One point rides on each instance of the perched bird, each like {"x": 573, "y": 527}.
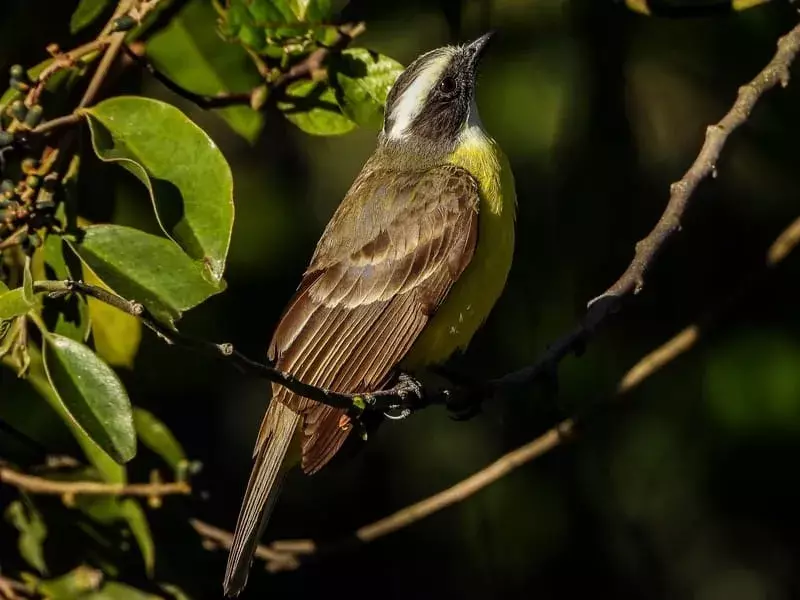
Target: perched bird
{"x": 406, "y": 271}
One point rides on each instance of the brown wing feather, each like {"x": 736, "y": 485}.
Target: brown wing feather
{"x": 377, "y": 276}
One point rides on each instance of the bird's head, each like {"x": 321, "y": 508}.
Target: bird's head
{"x": 432, "y": 103}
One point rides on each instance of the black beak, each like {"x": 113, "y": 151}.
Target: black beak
{"x": 477, "y": 48}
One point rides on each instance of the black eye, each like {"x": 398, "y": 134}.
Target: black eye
{"x": 447, "y": 86}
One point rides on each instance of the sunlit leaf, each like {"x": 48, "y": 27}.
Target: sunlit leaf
{"x": 187, "y": 176}
{"x": 278, "y": 27}
{"x": 113, "y": 590}
{"x": 24, "y": 517}
{"x": 152, "y": 270}
{"x": 133, "y": 513}
{"x": 14, "y": 303}
{"x": 86, "y": 13}
{"x": 78, "y": 583}
{"x": 309, "y": 10}
{"x": 116, "y": 334}
{"x": 73, "y": 312}
{"x": 191, "y": 54}
{"x": 155, "y": 435}
{"x": 313, "y": 108}
{"x": 363, "y": 80}
{"x": 174, "y": 591}
{"x": 92, "y": 394}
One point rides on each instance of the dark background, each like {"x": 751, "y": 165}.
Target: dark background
{"x": 688, "y": 489}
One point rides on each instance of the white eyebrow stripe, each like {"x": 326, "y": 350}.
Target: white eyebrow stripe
{"x": 414, "y": 96}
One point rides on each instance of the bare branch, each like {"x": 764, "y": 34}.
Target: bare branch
{"x": 776, "y": 72}
{"x": 41, "y": 485}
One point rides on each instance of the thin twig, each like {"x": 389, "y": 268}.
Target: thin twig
{"x": 309, "y": 68}
{"x": 9, "y": 589}
{"x": 400, "y": 396}
{"x": 40, "y": 485}
{"x": 776, "y": 72}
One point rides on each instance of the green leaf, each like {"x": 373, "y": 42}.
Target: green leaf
{"x": 73, "y": 311}
{"x": 116, "y": 334}
{"x": 151, "y": 270}
{"x": 114, "y": 590}
{"x": 133, "y": 513}
{"x": 278, "y": 28}
{"x": 78, "y": 583}
{"x": 86, "y": 13}
{"x": 110, "y": 471}
{"x": 363, "y": 80}
{"x": 157, "y": 436}
{"x": 32, "y": 532}
{"x": 188, "y": 178}
{"x": 14, "y": 303}
{"x": 190, "y": 53}
{"x": 313, "y": 108}
{"x": 92, "y": 394}
{"x": 174, "y": 591}
{"x": 310, "y": 10}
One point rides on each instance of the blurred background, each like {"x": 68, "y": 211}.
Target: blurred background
{"x": 687, "y": 490}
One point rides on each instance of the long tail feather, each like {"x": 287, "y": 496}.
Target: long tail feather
{"x": 259, "y": 498}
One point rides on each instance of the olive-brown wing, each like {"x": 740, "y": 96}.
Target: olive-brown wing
{"x": 385, "y": 263}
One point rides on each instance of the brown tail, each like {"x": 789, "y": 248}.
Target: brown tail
{"x": 259, "y": 498}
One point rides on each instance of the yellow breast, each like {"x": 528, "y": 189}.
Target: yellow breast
{"x": 474, "y": 294}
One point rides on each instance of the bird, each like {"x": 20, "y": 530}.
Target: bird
{"x": 406, "y": 271}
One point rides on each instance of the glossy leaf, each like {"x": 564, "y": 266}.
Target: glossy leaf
{"x": 72, "y": 310}
{"x": 154, "y": 434}
{"x": 110, "y": 471}
{"x": 32, "y": 532}
{"x": 313, "y": 108}
{"x": 152, "y": 270}
{"x": 363, "y": 80}
{"x": 86, "y": 13}
{"x": 191, "y": 54}
{"x": 133, "y": 513}
{"x": 116, "y": 334}
{"x": 188, "y": 178}
{"x": 92, "y": 394}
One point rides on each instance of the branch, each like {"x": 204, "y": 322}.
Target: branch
{"x": 403, "y": 395}
{"x": 290, "y": 554}
{"x": 308, "y": 68}
{"x": 40, "y": 485}
{"x": 632, "y": 280}
{"x": 776, "y": 71}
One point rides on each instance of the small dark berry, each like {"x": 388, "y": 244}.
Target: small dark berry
{"x": 124, "y": 23}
